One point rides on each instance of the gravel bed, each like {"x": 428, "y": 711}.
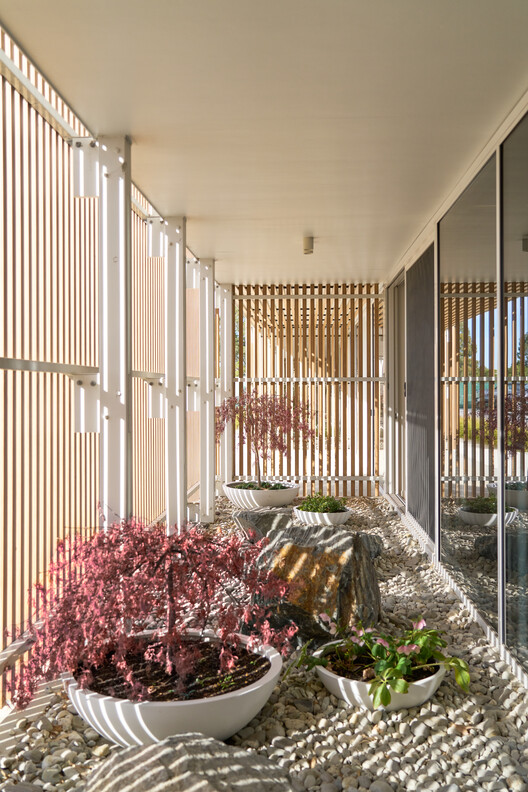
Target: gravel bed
{"x": 456, "y": 741}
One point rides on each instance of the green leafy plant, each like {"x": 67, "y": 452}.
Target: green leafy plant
{"x": 518, "y": 486}
{"x": 482, "y": 505}
{"x": 387, "y": 662}
{"x": 323, "y": 503}
{"x": 252, "y": 485}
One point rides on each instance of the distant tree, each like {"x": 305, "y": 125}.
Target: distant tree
{"x": 522, "y": 354}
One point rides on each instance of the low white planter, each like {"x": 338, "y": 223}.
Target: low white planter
{"x": 321, "y": 518}
{"x": 249, "y": 499}
{"x": 355, "y": 692}
{"x": 486, "y": 520}
{"x": 130, "y": 723}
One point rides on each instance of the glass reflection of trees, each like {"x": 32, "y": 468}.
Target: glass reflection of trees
{"x": 515, "y": 232}
{"x": 468, "y": 371}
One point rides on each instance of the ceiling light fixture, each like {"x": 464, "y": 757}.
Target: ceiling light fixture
{"x": 308, "y": 244}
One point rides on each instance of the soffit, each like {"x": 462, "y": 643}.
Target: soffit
{"x": 347, "y": 120}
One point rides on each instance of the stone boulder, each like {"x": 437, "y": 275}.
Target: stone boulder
{"x": 331, "y": 571}
{"x": 516, "y": 550}
{"x": 187, "y": 762}
{"x": 264, "y": 522}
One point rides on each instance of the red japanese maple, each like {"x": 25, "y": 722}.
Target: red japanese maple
{"x": 267, "y": 422}
{"x": 105, "y": 591}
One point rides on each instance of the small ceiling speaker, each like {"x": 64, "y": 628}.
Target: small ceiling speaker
{"x": 308, "y": 244}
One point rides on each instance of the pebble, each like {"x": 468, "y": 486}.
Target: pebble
{"x": 453, "y": 743}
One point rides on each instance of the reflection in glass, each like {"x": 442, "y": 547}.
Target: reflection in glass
{"x": 515, "y": 183}
{"x": 468, "y": 371}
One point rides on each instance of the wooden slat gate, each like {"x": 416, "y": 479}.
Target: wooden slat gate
{"x": 320, "y": 345}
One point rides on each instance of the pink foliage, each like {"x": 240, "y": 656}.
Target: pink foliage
{"x": 265, "y": 421}
{"x": 103, "y": 592}
{"x": 515, "y": 422}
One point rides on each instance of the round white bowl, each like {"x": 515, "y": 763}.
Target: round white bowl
{"x": 130, "y": 723}
{"x": 486, "y": 520}
{"x": 321, "y": 518}
{"x": 249, "y": 500}
{"x": 355, "y": 692}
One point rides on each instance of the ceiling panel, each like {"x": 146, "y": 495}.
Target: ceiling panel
{"x": 346, "y": 120}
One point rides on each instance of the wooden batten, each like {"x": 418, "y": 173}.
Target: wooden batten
{"x": 319, "y": 345}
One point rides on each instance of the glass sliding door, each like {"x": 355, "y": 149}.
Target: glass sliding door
{"x": 515, "y": 258}
{"x": 468, "y": 376}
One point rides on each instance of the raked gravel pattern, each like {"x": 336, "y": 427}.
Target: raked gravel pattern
{"x": 456, "y": 741}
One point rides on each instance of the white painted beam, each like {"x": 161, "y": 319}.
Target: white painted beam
{"x": 224, "y": 298}
{"x": 175, "y": 373}
{"x": 115, "y": 453}
{"x": 207, "y": 391}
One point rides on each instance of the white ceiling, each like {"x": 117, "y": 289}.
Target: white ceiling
{"x": 263, "y": 122}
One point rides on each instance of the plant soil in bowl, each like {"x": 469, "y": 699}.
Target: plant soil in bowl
{"x": 215, "y": 705}
{"x": 249, "y": 499}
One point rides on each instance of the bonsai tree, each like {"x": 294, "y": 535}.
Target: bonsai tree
{"x": 265, "y": 421}
{"x": 104, "y": 592}
{"x": 515, "y": 422}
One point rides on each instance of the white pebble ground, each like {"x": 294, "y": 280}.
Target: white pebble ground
{"x": 456, "y": 741}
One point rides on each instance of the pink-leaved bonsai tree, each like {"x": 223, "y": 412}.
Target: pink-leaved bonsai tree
{"x": 266, "y": 421}
{"x": 103, "y": 593}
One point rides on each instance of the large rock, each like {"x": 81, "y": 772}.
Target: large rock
{"x": 331, "y": 571}
{"x": 264, "y": 522}
{"x": 516, "y": 550}
{"x": 187, "y": 762}
{"x": 261, "y": 521}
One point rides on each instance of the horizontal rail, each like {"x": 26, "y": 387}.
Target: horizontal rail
{"x": 468, "y": 478}
{"x": 270, "y": 297}
{"x": 10, "y": 71}
{"x": 16, "y": 649}
{"x": 148, "y": 375}
{"x": 16, "y": 364}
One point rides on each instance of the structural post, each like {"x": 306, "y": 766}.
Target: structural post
{"x": 175, "y": 373}
{"x": 207, "y": 391}
{"x": 115, "y": 342}
{"x": 224, "y": 295}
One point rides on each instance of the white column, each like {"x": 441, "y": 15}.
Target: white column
{"x": 224, "y": 296}
{"x": 115, "y": 453}
{"x": 175, "y": 373}
{"x": 207, "y": 391}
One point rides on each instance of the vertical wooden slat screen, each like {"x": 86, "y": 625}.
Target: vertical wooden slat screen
{"x": 49, "y": 319}
{"x": 468, "y": 378}
{"x": 148, "y": 357}
{"x": 48, "y": 272}
{"x": 319, "y": 344}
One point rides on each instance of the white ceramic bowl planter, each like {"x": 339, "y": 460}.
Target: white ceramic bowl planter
{"x": 486, "y": 520}
{"x": 130, "y": 723}
{"x": 321, "y": 518}
{"x": 355, "y": 692}
{"x": 250, "y": 499}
